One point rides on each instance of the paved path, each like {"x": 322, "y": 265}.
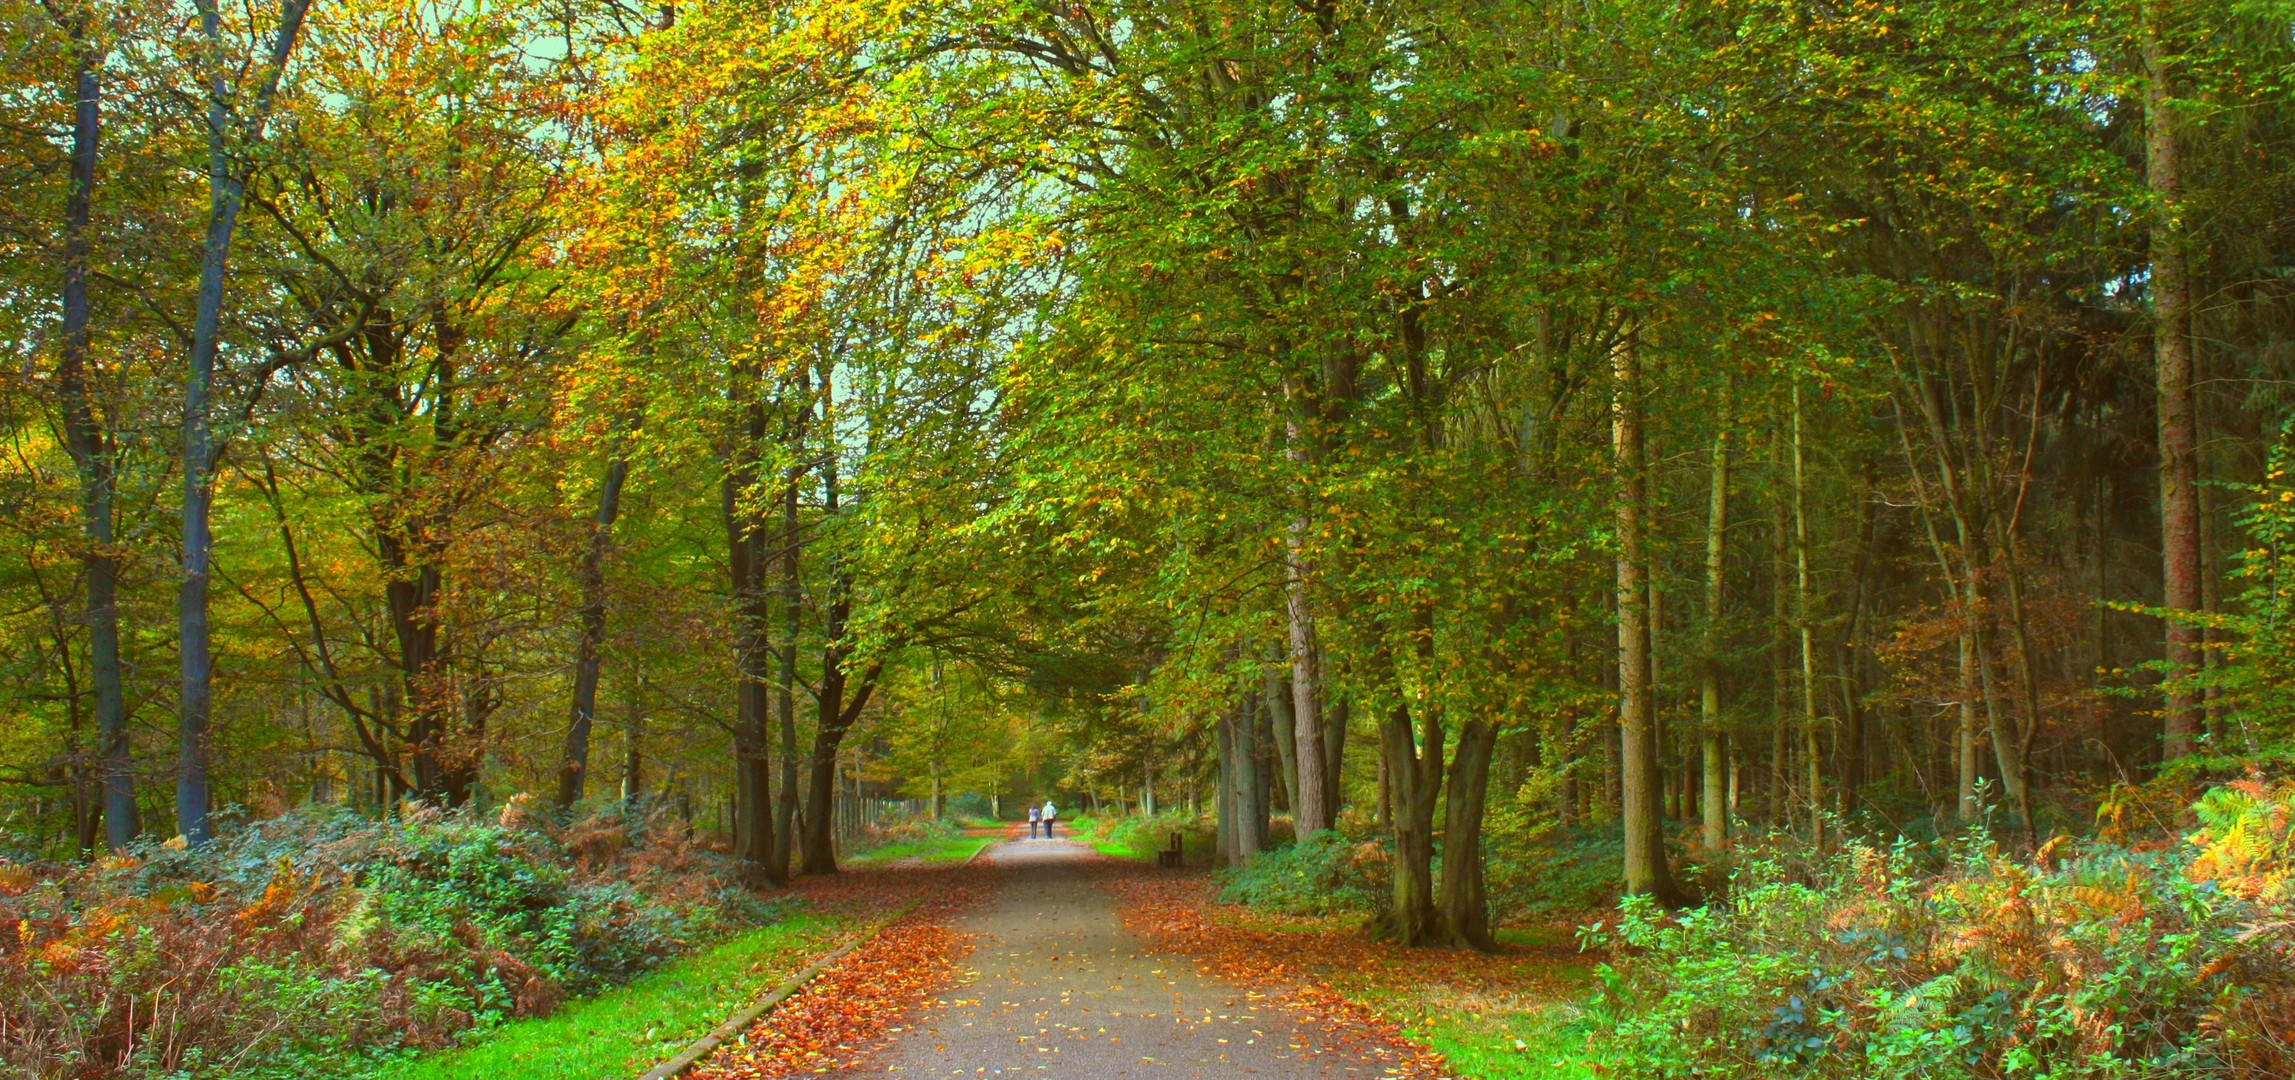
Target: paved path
{"x": 1055, "y": 988}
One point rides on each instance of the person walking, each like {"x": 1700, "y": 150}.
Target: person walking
{"x": 1051, "y": 814}
{"x": 1035, "y": 814}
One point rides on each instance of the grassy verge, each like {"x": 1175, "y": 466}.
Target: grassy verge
{"x": 626, "y": 1031}
{"x": 1140, "y": 838}
{"x": 1507, "y": 1045}
{"x": 943, "y": 849}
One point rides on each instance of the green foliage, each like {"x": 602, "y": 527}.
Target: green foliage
{"x": 1134, "y": 837}
{"x": 1560, "y": 872}
{"x": 2114, "y": 963}
{"x": 317, "y": 943}
{"x": 1324, "y": 874}
{"x": 507, "y": 896}
{"x": 626, "y": 1030}
{"x": 2259, "y": 632}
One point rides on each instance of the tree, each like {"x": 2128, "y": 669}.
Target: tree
{"x": 228, "y": 169}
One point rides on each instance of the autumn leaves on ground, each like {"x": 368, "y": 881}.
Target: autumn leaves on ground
{"x": 1350, "y": 999}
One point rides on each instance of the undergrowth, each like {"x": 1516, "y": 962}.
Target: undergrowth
{"x": 307, "y": 944}
{"x": 1324, "y": 874}
{"x": 2090, "y": 960}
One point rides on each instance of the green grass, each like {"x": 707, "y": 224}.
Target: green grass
{"x": 628, "y": 1030}
{"x": 1508, "y": 1045}
{"x": 946, "y": 849}
{"x": 1124, "y": 838}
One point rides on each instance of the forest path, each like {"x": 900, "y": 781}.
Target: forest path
{"x": 1056, "y": 988}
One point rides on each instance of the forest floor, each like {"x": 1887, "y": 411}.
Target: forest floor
{"x": 1045, "y": 959}
{"x": 1441, "y": 1014}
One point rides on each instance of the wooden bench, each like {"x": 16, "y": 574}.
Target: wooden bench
{"x": 1172, "y": 853}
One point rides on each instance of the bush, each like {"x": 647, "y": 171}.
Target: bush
{"x": 298, "y": 946}
{"x": 2116, "y": 963}
{"x": 1324, "y": 874}
{"x": 1559, "y": 872}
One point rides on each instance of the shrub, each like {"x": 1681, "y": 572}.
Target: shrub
{"x": 1558, "y": 872}
{"x": 2114, "y": 963}
{"x": 300, "y": 945}
{"x": 1324, "y": 874}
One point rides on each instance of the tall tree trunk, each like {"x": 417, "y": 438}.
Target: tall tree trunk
{"x": 1312, "y": 794}
{"x": 1258, "y": 753}
{"x": 2007, "y": 748}
{"x": 1240, "y": 822}
{"x": 1275, "y": 690}
{"x": 752, "y": 765}
{"x": 1780, "y": 624}
{"x": 1224, "y": 829}
{"x": 1815, "y": 762}
{"x": 633, "y": 748}
{"x": 1965, "y": 747}
{"x": 2170, "y": 289}
{"x": 835, "y": 714}
{"x": 792, "y": 612}
{"x": 1710, "y": 741}
{"x": 1414, "y": 783}
{"x": 589, "y": 653}
{"x": 819, "y": 852}
{"x": 1850, "y": 745}
{"x": 1646, "y": 870}
{"x": 1465, "y": 900}
{"x": 91, "y": 453}
{"x": 1337, "y": 714}
{"x": 226, "y": 190}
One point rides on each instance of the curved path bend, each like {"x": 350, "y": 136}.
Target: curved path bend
{"x": 1055, "y": 988}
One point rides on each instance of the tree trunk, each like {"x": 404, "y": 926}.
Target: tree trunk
{"x": 2170, "y": 289}
{"x": 226, "y": 188}
{"x": 819, "y": 854}
{"x": 1780, "y": 622}
{"x": 1223, "y": 830}
{"x": 1714, "y": 813}
{"x": 1275, "y": 690}
{"x": 835, "y": 714}
{"x": 1465, "y": 901}
{"x": 1646, "y": 870}
{"x": 1244, "y": 836}
{"x": 1256, "y": 725}
{"x": 792, "y": 610}
{"x": 588, "y": 654}
{"x": 1966, "y": 747}
{"x": 1814, "y": 760}
{"x": 752, "y": 764}
{"x": 1414, "y": 783}
{"x": 1337, "y": 713}
{"x": 1312, "y": 797}
{"x": 633, "y": 749}
{"x": 91, "y": 453}
{"x": 2007, "y": 749}
{"x": 1850, "y": 744}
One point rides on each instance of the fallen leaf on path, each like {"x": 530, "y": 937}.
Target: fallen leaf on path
{"x": 850, "y": 1011}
